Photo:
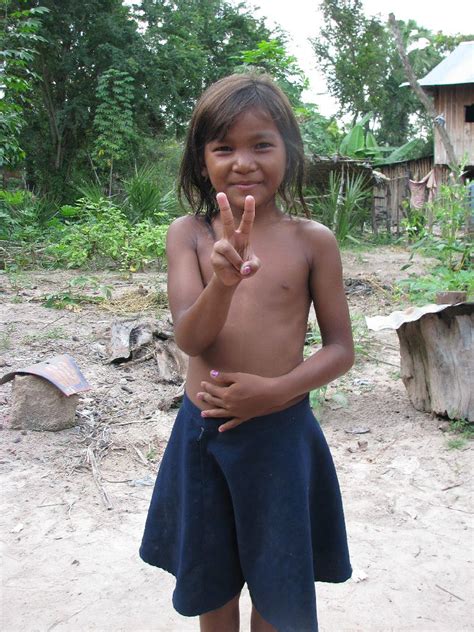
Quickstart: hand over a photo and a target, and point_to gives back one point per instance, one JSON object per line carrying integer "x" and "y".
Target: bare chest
{"x": 281, "y": 284}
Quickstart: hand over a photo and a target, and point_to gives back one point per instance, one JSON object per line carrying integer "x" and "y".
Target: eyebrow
{"x": 263, "y": 135}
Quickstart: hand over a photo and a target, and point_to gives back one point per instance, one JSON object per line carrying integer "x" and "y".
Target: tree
{"x": 19, "y": 35}
{"x": 271, "y": 57}
{"x": 113, "y": 121}
{"x": 80, "y": 42}
{"x": 192, "y": 44}
{"x": 363, "y": 70}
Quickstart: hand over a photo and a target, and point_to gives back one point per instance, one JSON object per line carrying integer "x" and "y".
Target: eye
{"x": 222, "y": 149}
{"x": 263, "y": 145}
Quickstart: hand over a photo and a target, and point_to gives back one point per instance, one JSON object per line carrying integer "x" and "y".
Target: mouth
{"x": 244, "y": 185}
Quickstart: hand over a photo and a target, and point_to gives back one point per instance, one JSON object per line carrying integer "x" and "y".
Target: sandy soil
{"x": 71, "y": 565}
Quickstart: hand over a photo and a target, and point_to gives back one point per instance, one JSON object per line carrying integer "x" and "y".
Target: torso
{"x": 265, "y": 329}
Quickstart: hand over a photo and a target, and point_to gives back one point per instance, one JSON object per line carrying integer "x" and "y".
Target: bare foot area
{"x": 70, "y": 564}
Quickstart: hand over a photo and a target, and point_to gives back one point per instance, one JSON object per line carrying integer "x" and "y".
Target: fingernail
{"x": 199, "y": 395}
{"x": 203, "y": 414}
{"x": 246, "y": 270}
{"x": 214, "y": 373}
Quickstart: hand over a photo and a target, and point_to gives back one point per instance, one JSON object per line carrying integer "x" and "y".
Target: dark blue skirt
{"x": 259, "y": 504}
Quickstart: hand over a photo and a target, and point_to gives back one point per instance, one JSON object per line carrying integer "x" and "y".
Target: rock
{"x": 38, "y": 405}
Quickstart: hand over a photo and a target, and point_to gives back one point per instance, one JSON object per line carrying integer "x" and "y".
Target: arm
{"x": 243, "y": 396}
{"x": 199, "y": 313}
{"x": 327, "y": 290}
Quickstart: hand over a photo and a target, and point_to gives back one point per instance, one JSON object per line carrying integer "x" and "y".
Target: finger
{"x": 213, "y": 389}
{"x": 206, "y": 397}
{"x": 223, "y": 378}
{"x": 226, "y": 250}
{"x": 250, "y": 267}
{"x": 215, "y": 412}
{"x": 248, "y": 216}
{"x": 233, "y": 423}
{"x": 227, "y": 219}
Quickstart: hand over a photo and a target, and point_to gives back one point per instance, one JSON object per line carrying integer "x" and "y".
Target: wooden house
{"x": 451, "y": 85}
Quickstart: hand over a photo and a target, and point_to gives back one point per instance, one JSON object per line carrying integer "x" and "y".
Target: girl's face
{"x": 249, "y": 160}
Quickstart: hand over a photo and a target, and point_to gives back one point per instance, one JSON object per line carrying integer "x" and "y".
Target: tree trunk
{"x": 437, "y": 361}
{"x": 421, "y": 94}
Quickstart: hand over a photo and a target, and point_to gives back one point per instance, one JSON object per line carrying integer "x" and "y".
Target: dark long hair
{"x": 215, "y": 113}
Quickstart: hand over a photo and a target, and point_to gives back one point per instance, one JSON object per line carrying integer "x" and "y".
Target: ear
{"x": 204, "y": 173}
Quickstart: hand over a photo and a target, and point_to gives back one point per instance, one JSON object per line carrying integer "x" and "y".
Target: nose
{"x": 244, "y": 162}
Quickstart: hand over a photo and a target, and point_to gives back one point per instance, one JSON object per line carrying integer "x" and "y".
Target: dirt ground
{"x": 71, "y": 565}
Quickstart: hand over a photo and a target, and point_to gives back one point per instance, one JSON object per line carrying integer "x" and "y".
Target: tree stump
{"x": 437, "y": 361}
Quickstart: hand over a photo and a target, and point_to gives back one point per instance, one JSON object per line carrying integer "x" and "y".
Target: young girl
{"x": 247, "y": 491}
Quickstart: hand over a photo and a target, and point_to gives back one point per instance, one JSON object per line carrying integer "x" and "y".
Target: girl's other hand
{"x": 232, "y": 258}
{"x": 240, "y": 396}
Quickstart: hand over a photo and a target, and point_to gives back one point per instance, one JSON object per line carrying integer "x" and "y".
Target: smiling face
{"x": 249, "y": 160}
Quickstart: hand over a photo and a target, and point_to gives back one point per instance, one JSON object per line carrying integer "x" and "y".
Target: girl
{"x": 247, "y": 491}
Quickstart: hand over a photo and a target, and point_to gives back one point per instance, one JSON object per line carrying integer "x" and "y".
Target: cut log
{"x": 437, "y": 361}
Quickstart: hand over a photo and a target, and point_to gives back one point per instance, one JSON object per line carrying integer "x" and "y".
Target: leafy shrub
{"x": 423, "y": 289}
{"x": 103, "y": 232}
{"x": 344, "y": 208}
{"x": 23, "y": 216}
{"x": 445, "y": 235}
{"x": 143, "y": 195}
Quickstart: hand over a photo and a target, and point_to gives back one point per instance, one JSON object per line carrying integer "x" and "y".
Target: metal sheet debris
{"x": 62, "y": 371}
{"x": 409, "y": 315}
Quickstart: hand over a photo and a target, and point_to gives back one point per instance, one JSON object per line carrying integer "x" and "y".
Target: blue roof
{"x": 456, "y": 68}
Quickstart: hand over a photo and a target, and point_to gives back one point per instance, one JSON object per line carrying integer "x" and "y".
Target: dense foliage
{"x": 97, "y": 95}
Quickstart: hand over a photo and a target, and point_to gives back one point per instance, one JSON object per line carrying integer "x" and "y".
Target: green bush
{"x": 345, "y": 206}
{"x": 23, "y": 217}
{"x": 445, "y": 234}
{"x": 103, "y": 234}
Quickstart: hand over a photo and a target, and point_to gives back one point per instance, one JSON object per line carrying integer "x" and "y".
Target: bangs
{"x": 224, "y": 106}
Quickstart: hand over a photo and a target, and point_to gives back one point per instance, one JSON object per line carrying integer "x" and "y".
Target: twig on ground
{"x": 97, "y": 477}
{"x": 140, "y": 454}
{"x": 445, "y": 489}
{"x": 449, "y": 592}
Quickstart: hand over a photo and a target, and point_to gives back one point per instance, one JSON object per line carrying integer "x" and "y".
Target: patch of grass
{"x": 70, "y": 298}
{"x": 457, "y": 443}
{"x": 6, "y": 337}
{"x": 55, "y": 333}
{"x": 464, "y": 430}
{"x": 363, "y": 341}
{"x": 152, "y": 454}
{"x": 317, "y": 399}
{"x": 18, "y": 280}
{"x": 422, "y": 289}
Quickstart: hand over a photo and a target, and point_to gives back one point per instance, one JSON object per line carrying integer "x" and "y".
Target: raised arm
{"x": 200, "y": 312}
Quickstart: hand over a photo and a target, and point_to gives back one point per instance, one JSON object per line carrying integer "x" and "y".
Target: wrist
{"x": 281, "y": 391}
{"x": 221, "y": 286}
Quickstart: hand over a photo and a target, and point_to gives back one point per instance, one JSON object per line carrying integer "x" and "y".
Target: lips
{"x": 244, "y": 185}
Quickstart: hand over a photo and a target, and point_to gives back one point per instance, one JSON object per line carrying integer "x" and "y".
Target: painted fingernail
{"x": 199, "y": 395}
{"x": 246, "y": 270}
{"x": 203, "y": 414}
{"x": 214, "y": 373}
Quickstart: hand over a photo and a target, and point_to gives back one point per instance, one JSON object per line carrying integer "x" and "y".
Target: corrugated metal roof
{"x": 458, "y": 67}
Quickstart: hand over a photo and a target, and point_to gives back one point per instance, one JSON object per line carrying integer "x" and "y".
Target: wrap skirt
{"x": 259, "y": 504}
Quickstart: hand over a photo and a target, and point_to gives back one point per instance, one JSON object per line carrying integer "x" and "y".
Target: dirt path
{"x": 70, "y": 565}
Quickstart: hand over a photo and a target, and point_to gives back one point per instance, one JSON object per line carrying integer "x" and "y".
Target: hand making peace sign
{"x": 232, "y": 258}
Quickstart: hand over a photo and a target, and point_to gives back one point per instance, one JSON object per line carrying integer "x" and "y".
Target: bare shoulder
{"x": 318, "y": 240}
{"x": 185, "y": 229}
